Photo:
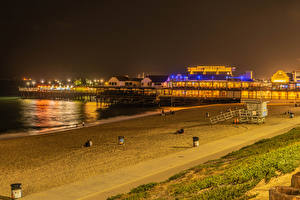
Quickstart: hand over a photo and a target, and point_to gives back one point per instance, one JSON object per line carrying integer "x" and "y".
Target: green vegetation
{"x": 143, "y": 188}
{"x": 178, "y": 175}
{"x": 231, "y": 176}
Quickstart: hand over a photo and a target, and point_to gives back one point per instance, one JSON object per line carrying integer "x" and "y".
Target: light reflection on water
{"x": 46, "y": 115}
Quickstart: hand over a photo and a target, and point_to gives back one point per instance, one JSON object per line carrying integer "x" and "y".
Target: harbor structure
{"x": 280, "y": 77}
{"x": 198, "y": 84}
{"x": 156, "y": 81}
{"x": 213, "y": 69}
{"x": 296, "y": 76}
{"x": 124, "y": 81}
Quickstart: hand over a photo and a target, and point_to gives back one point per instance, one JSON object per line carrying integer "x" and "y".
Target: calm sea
{"x": 39, "y": 115}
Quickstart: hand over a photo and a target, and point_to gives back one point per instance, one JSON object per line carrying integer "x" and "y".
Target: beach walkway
{"x": 124, "y": 179}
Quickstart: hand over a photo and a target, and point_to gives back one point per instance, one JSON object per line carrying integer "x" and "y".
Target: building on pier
{"x": 156, "y": 81}
{"x": 296, "y": 76}
{"x": 210, "y": 73}
{"x": 212, "y": 77}
{"x": 212, "y": 69}
{"x": 280, "y": 77}
{"x": 124, "y": 81}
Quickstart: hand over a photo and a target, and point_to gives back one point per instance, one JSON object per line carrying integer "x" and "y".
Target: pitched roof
{"x": 122, "y": 78}
{"x": 135, "y": 79}
{"x": 158, "y": 78}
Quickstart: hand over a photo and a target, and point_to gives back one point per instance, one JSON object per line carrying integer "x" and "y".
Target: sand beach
{"x": 42, "y": 162}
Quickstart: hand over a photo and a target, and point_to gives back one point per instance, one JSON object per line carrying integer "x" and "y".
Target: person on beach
{"x": 82, "y": 123}
{"x": 162, "y": 112}
{"x": 88, "y": 143}
{"x": 207, "y": 115}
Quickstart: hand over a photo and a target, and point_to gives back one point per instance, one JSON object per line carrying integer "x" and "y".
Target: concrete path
{"x": 120, "y": 181}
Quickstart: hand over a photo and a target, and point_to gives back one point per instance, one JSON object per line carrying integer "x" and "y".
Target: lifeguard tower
{"x": 255, "y": 111}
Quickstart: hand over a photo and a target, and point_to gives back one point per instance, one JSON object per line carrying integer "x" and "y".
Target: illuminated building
{"x": 296, "y": 75}
{"x": 216, "y": 70}
{"x": 280, "y": 77}
{"x": 124, "y": 81}
{"x": 118, "y": 80}
{"x": 211, "y": 77}
{"x": 154, "y": 81}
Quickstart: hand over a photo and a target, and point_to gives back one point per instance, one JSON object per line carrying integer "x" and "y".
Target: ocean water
{"x": 40, "y": 115}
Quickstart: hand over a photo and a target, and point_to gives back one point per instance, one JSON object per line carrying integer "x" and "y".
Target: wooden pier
{"x": 58, "y": 95}
{"x": 122, "y": 95}
{"x": 165, "y": 96}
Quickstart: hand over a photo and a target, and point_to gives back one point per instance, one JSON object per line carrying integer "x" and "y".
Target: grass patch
{"x": 115, "y": 197}
{"x": 143, "y": 188}
{"x": 231, "y": 176}
{"x": 178, "y": 175}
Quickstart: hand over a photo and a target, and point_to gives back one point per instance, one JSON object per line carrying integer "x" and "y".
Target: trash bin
{"x": 195, "y": 141}
{"x": 16, "y": 190}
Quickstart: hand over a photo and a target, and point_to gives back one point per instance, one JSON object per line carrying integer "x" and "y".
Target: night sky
{"x": 49, "y": 39}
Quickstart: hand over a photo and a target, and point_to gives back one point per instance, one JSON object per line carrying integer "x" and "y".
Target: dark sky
{"x": 100, "y": 38}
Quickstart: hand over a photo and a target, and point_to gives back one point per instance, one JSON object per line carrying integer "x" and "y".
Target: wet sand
{"x": 42, "y": 162}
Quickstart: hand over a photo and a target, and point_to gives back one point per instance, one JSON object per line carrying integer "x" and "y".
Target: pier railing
{"x": 156, "y": 95}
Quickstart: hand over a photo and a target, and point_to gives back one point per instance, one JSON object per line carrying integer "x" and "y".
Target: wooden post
{"x": 284, "y": 193}
{"x": 295, "y": 182}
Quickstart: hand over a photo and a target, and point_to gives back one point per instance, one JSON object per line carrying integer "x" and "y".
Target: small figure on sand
{"x": 207, "y": 115}
{"x": 180, "y": 131}
{"x": 163, "y": 112}
{"x": 82, "y": 123}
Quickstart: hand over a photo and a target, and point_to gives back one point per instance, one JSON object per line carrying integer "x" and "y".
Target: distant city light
{"x": 33, "y": 82}
{"x": 69, "y": 80}
{"x": 42, "y": 81}
{"x": 101, "y": 80}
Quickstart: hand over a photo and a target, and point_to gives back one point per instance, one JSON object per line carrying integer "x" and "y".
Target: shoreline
{"x": 120, "y": 118}
{"x": 74, "y": 127}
